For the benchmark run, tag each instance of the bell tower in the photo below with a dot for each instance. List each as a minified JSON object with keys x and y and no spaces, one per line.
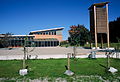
{"x":99,"y":21}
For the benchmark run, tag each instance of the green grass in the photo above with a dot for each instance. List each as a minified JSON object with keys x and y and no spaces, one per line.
{"x":114,"y":45}
{"x":55,"y":68}
{"x":104,"y":45}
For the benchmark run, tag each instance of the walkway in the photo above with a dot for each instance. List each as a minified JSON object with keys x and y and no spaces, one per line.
{"x":45,"y":53}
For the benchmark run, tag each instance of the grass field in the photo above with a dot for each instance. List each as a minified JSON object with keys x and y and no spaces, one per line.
{"x":104,"y":45}
{"x":55,"y":68}
{"x":114,"y":45}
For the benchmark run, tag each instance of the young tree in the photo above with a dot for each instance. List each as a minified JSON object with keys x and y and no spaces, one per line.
{"x":27,"y":50}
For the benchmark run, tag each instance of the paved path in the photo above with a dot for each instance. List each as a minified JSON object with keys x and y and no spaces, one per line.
{"x":45,"y":53}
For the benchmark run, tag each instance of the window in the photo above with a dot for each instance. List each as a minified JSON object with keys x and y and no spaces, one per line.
{"x":46,"y":33}
{"x":52,"y":33}
{"x":55,"y":33}
{"x":40,"y":33}
{"x":49,"y":33}
{"x":43,"y":33}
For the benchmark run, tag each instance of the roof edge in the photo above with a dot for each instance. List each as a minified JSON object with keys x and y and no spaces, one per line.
{"x":48,"y":29}
{"x":22,"y":35}
{"x":97,"y":4}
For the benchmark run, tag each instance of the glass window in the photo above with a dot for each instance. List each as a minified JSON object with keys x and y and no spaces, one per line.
{"x":55,"y":33}
{"x":46,"y":33}
{"x":49,"y":33}
{"x":40,"y":33}
{"x":43,"y":33}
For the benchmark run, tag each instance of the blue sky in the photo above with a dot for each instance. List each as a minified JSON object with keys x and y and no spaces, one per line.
{"x":22,"y":16}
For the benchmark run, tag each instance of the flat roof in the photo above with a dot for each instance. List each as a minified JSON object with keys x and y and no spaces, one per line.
{"x":98,"y":4}
{"x":2,"y":35}
{"x":22,"y":35}
{"x":48,"y":29}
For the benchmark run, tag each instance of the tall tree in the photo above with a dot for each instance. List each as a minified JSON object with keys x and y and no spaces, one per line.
{"x":79,"y":35}
{"x":114,"y":29}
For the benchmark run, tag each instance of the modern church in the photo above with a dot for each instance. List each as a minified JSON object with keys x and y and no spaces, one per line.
{"x":39,"y":38}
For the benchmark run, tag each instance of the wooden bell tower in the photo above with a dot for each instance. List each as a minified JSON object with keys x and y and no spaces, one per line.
{"x":99,"y":21}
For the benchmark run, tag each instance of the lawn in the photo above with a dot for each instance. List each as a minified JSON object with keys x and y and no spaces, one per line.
{"x":55,"y":68}
{"x":114,"y":45}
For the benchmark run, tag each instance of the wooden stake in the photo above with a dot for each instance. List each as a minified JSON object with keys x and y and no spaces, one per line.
{"x":74,"y":51}
{"x":24,"y":57}
{"x":68,"y":56}
{"x":108,"y":61}
{"x":101,"y":41}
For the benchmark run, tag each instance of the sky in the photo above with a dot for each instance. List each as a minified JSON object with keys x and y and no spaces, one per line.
{"x":22,"y":16}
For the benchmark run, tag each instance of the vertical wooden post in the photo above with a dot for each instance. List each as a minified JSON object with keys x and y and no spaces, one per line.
{"x":24,"y":57}
{"x":108,"y":61}
{"x":74,"y":51}
{"x":101,"y":41}
{"x":108,"y":44}
{"x":95,"y":26}
{"x":68,"y":56}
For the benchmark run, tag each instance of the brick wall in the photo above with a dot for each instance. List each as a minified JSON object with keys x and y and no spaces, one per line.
{"x":59,"y":37}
